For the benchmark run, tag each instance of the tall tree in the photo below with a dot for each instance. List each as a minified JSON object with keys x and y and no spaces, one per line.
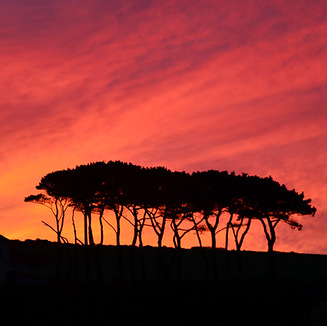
{"x":158,"y":181}
{"x":136,"y":201}
{"x":211,"y":196}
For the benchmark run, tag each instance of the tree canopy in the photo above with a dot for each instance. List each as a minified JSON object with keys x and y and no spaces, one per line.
{"x":158,"y":197}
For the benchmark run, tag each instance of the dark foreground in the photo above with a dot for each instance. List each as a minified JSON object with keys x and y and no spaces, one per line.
{"x":42,"y":282}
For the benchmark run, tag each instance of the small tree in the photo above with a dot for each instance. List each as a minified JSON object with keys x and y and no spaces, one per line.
{"x":58,"y":206}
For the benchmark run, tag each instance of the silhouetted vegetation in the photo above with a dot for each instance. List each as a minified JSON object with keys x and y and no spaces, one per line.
{"x":157,"y":285}
{"x":159,"y":198}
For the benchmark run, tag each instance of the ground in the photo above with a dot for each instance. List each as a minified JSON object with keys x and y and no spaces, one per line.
{"x":149,"y":286}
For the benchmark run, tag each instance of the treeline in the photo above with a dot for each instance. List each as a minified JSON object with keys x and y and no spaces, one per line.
{"x":159,"y":198}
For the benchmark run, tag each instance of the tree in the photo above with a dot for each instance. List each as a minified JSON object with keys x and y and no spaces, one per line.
{"x":58,"y":206}
{"x":239,"y":225}
{"x":116,"y":182}
{"x":138,"y":222}
{"x":190,"y":202}
{"x":199,"y":228}
{"x":239,"y":209}
{"x":136,"y":201}
{"x":158,"y":185}
{"x":273,"y":203}
{"x":80,"y":185}
{"x":211,"y":196}
{"x":84,"y":189}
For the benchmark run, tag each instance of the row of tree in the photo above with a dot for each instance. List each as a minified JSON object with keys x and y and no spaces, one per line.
{"x":157,"y":197}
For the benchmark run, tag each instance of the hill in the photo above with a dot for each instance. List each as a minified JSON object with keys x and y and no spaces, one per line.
{"x":151,"y":286}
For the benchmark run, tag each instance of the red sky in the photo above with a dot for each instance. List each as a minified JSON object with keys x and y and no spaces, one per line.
{"x":190,"y":85}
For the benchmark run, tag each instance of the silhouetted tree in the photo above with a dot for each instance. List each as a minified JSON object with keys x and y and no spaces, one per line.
{"x":117,"y":184}
{"x":212,"y":197}
{"x":177,"y":205}
{"x":58,"y":206}
{"x":237,"y":226}
{"x":136,"y":201}
{"x":158,"y":181}
{"x":196,"y":219}
{"x":84,"y":188}
{"x":138,"y":222}
{"x":240,"y":210}
{"x":190,"y":202}
{"x":273,"y":203}
{"x":177,"y":216}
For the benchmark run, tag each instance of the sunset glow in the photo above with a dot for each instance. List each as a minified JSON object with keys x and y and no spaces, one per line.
{"x":191,"y":85}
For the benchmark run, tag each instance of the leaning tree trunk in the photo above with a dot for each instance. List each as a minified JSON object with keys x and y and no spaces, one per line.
{"x":159,"y":228}
{"x":101,"y":229}
{"x":140,"y":230}
{"x":176,"y":238}
{"x":134,"y":212}
{"x":118,"y":214}
{"x":135,"y":232}
{"x":85,"y":229}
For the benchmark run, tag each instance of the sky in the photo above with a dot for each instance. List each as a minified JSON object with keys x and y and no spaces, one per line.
{"x":235,"y":85}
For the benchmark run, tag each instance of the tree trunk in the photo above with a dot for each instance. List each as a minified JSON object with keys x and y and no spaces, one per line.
{"x":162,"y":230}
{"x":271,"y":246}
{"x":135,"y":213}
{"x":57,"y":220}
{"x":176,"y":238}
{"x":244,"y":233}
{"x":91,"y":240}
{"x":213,"y":228}
{"x":229,"y":223}
{"x":85,"y":229}
{"x":58,"y":235}
{"x":272,"y":240}
{"x":140,"y":240}
{"x":140,"y":231}
{"x":196,"y":229}
{"x":118,"y":214}
{"x":160,"y":236}
{"x":213,"y":239}
{"x":74,"y":226}
{"x":101,"y":229}
{"x":270,"y":235}
{"x":177,"y":241}
{"x":134,"y":238}
{"x":118,"y":232}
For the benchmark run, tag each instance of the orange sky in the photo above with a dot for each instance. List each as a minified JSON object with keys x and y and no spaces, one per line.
{"x":191,"y":85}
